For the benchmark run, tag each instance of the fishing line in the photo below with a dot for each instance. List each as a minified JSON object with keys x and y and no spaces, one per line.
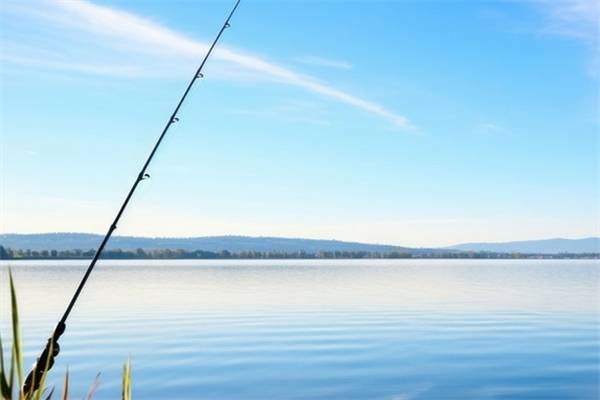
{"x":46,"y":359}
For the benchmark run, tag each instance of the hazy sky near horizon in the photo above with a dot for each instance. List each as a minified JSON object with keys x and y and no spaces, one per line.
{"x":415,"y":123}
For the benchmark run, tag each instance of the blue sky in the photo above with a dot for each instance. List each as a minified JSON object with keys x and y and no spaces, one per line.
{"x":416,"y":123}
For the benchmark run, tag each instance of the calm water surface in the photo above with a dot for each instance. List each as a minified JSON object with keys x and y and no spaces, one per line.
{"x":393,"y":330}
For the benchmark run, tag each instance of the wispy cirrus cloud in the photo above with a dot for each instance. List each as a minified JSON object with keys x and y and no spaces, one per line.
{"x":325,"y":62}
{"x":135,"y":46}
{"x":574,"y":19}
{"x":489,"y":129}
{"x":578,"y":19}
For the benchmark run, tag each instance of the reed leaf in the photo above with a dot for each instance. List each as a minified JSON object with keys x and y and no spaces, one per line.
{"x":17,"y":360}
{"x":5,"y":385}
{"x":127,"y":380}
{"x":66,"y":385}
{"x":15,"y":366}
{"x":49,"y":394}
{"x":93,"y":387}
{"x":38,"y":394}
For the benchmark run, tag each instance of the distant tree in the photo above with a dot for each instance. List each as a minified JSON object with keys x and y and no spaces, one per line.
{"x":4,"y":255}
{"x":324,"y":254}
{"x":180,"y":253}
{"x":90,"y":253}
{"x":206,"y":254}
{"x":397,"y":254}
{"x":301,"y":254}
{"x":224,"y":254}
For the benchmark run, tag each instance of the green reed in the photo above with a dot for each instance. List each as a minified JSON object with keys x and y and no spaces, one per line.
{"x":11,"y":379}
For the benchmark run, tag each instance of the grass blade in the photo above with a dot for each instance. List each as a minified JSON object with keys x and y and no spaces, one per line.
{"x":66,"y":385}
{"x":16,"y":363}
{"x":93,"y":388}
{"x":50,"y":394}
{"x":127,"y":380}
{"x":7,"y":382}
{"x":5,"y":385}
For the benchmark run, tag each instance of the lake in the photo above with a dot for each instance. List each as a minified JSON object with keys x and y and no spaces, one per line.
{"x":333,"y":329}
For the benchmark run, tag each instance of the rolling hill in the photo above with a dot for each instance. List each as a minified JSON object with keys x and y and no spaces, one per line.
{"x":86,"y":241}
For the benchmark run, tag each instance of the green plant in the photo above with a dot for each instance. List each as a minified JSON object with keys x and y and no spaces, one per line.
{"x":11,"y":379}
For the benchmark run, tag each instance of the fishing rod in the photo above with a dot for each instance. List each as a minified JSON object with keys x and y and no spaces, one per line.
{"x":46,"y":360}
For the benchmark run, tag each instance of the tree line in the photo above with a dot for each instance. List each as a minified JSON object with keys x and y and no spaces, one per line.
{"x":169,"y":254}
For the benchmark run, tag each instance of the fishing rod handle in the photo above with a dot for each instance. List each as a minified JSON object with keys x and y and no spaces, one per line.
{"x":44,"y":362}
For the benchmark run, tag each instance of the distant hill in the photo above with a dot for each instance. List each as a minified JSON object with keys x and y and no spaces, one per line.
{"x":547,"y":246}
{"x":86,"y":241}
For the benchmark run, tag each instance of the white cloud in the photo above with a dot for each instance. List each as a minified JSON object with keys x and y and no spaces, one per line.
{"x":573,"y":18}
{"x":131,"y":40}
{"x":489,"y":129}
{"x":577,"y":20}
{"x":312,"y":60}
{"x":101,"y":69}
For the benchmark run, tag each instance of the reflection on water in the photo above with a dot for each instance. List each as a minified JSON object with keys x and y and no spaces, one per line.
{"x":393,"y":329}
